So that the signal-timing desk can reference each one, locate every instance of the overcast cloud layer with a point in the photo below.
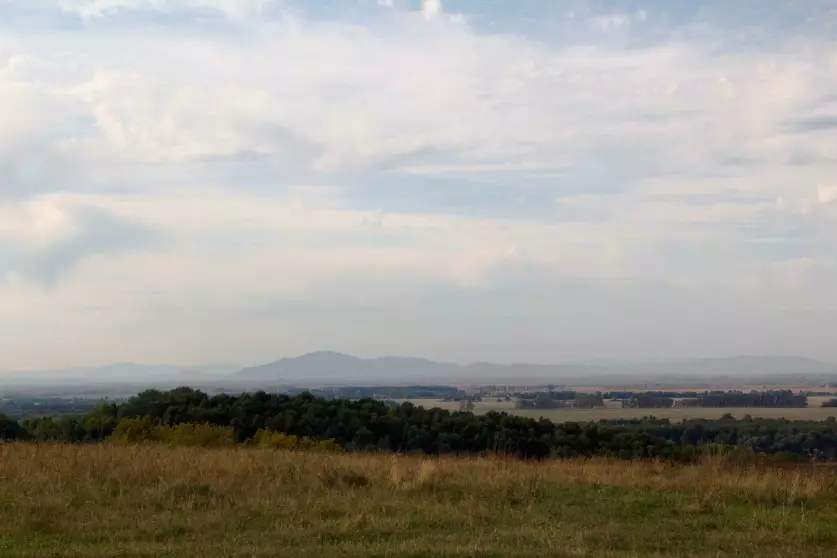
(199, 181)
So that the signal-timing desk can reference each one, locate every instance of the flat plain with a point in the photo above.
(581, 415)
(614, 411)
(106, 500)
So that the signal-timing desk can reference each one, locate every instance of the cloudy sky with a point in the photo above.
(233, 181)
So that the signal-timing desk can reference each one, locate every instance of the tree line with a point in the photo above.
(784, 398)
(662, 399)
(383, 391)
(559, 399)
(717, 399)
(666, 394)
(374, 425)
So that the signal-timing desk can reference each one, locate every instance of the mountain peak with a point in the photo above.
(334, 366)
(323, 354)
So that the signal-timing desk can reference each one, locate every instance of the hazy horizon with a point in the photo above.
(222, 369)
(532, 182)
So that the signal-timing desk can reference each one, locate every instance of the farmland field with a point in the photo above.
(581, 415)
(614, 411)
(105, 500)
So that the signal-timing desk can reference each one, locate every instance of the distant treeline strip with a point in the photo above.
(720, 399)
(384, 392)
(663, 399)
(374, 425)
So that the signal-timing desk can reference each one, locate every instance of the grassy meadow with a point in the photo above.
(108, 500)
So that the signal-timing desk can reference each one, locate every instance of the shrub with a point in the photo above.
(10, 429)
(274, 440)
(135, 431)
(196, 434)
(278, 440)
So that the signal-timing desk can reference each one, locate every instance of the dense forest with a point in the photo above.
(373, 425)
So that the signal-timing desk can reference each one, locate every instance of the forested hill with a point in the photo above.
(373, 425)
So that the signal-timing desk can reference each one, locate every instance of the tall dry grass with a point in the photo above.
(101, 500)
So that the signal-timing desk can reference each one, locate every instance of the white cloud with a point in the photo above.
(38, 221)
(826, 193)
(97, 9)
(431, 8)
(45, 238)
(396, 103)
(337, 96)
(619, 21)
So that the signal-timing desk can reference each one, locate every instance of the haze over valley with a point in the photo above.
(325, 368)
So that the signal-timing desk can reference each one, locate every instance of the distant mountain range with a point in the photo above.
(334, 367)
(329, 368)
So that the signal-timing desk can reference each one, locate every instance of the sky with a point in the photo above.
(233, 181)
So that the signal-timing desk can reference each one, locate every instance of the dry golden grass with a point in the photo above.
(102, 500)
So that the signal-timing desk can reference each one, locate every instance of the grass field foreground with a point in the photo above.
(105, 500)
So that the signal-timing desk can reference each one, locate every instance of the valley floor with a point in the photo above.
(106, 500)
(613, 411)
